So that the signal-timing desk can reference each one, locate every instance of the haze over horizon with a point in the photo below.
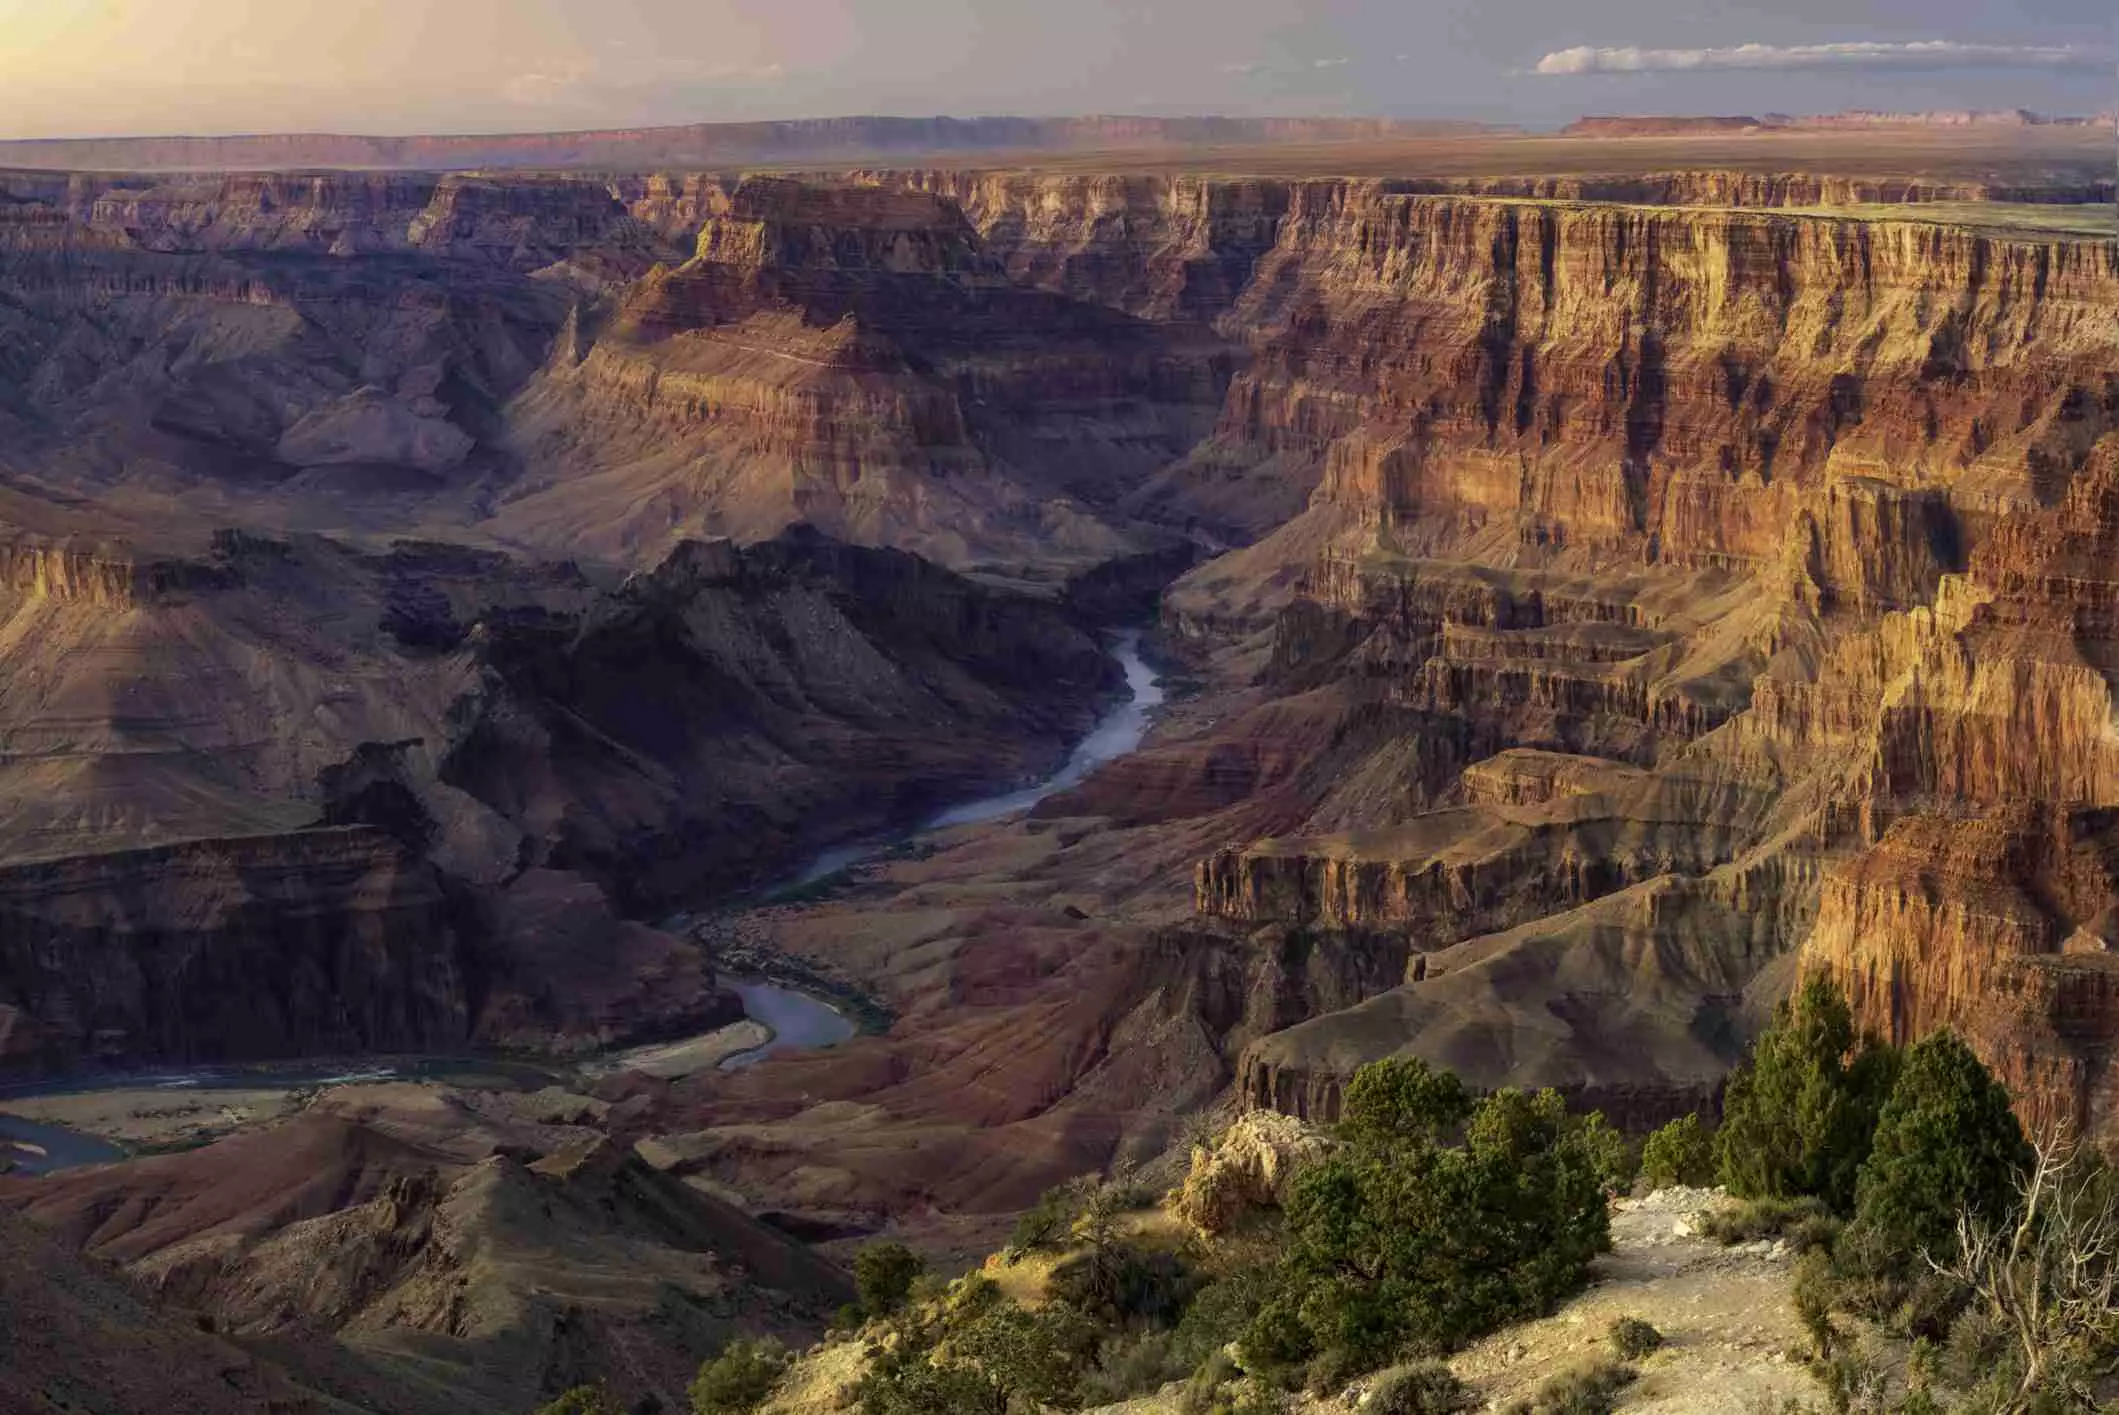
(89, 68)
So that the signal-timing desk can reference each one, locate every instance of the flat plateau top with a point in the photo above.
(2000, 155)
(2025, 220)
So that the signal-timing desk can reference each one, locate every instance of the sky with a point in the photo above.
(120, 67)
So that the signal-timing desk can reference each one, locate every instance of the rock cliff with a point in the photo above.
(854, 357)
(1721, 559)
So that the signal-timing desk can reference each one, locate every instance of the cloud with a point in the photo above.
(1921, 54)
(1330, 63)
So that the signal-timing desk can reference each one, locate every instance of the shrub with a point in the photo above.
(1946, 1142)
(1682, 1152)
(1218, 1315)
(1798, 1117)
(1757, 1219)
(1613, 1155)
(1403, 1245)
(1593, 1389)
(1036, 1355)
(883, 1274)
(738, 1380)
(1208, 1385)
(1427, 1388)
(1814, 1293)
(1330, 1371)
(584, 1400)
(1631, 1339)
(1131, 1364)
(903, 1381)
(1403, 1099)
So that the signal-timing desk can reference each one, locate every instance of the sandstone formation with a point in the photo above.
(1248, 1168)
(854, 358)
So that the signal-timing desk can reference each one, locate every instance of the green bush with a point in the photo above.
(883, 1274)
(903, 1381)
(584, 1400)
(737, 1381)
(1400, 1245)
(1799, 1116)
(1617, 1161)
(1039, 1356)
(1208, 1385)
(1682, 1152)
(1947, 1141)
(1631, 1339)
(1758, 1219)
(1425, 1388)
(1593, 1389)
(1402, 1100)
(1130, 1364)
(1814, 1293)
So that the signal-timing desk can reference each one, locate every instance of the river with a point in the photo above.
(799, 1021)
(802, 1022)
(29, 1148)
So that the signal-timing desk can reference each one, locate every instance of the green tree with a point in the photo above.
(903, 1380)
(883, 1274)
(738, 1380)
(1407, 1246)
(1039, 1356)
(1798, 1117)
(1947, 1142)
(1403, 1099)
(1682, 1152)
(1610, 1150)
(584, 1400)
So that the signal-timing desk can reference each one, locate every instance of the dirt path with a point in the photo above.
(1732, 1343)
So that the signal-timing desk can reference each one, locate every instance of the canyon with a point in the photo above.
(441, 613)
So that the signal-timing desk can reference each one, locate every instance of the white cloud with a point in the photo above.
(1921, 54)
(1330, 63)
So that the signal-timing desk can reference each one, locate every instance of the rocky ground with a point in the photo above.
(1732, 1343)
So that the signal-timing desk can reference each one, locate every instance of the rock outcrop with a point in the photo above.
(853, 357)
(507, 1260)
(1250, 1168)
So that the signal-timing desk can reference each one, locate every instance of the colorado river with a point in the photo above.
(29, 1148)
(801, 1022)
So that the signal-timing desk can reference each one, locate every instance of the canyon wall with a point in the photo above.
(1712, 550)
(1614, 578)
(325, 943)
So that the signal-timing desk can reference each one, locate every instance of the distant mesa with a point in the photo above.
(1649, 125)
(702, 144)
